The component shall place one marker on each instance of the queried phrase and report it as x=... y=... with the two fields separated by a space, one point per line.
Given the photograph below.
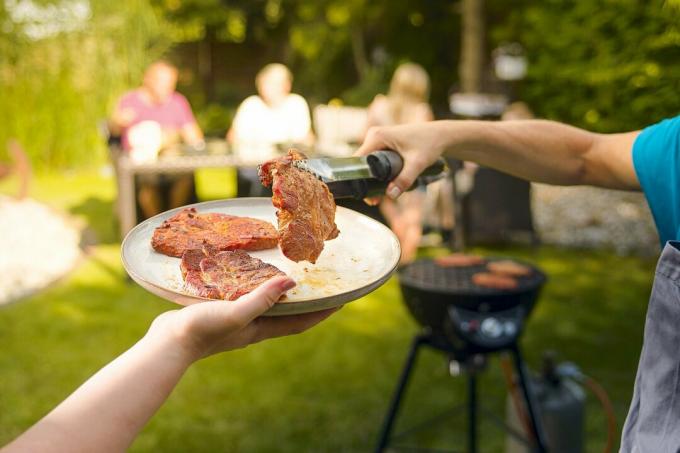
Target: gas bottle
x=561 y=408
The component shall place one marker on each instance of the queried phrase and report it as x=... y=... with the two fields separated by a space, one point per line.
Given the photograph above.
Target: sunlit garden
x=64 y=65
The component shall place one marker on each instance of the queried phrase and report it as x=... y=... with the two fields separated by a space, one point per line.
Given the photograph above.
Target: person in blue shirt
x=555 y=153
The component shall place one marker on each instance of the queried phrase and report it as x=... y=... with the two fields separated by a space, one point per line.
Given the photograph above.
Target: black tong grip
x=386 y=165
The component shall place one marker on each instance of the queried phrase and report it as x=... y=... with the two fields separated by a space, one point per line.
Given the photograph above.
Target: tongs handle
x=386 y=165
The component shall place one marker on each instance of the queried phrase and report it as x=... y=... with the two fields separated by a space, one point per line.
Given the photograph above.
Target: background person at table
x=20 y=166
x=405 y=103
x=107 y=412
x=149 y=118
x=267 y=123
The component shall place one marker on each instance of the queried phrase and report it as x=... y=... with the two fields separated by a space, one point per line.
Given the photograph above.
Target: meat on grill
x=223 y=275
x=189 y=230
x=305 y=207
x=495 y=281
x=509 y=268
x=459 y=260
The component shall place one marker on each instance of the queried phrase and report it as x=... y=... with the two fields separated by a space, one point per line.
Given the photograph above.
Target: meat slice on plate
x=189 y=230
x=305 y=207
x=223 y=275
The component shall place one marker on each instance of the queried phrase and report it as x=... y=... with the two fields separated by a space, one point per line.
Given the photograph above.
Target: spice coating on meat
x=188 y=230
x=223 y=275
x=305 y=208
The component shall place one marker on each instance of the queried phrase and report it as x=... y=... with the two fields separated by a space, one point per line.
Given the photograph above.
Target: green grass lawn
x=325 y=390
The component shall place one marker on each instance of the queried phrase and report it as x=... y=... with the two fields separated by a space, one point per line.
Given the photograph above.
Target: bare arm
x=536 y=150
x=191 y=134
x=122 y=118
x=106 y=412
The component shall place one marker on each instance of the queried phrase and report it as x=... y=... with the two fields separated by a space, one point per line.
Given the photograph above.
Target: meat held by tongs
x=305 y=207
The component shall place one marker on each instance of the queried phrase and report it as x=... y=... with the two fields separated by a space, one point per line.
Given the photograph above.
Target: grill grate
x=429 y=276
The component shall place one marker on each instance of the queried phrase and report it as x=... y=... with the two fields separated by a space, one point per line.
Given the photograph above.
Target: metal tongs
x=366 y=176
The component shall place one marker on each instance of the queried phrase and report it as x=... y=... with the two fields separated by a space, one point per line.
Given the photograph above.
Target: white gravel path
x=37 y=246
x=588 y=217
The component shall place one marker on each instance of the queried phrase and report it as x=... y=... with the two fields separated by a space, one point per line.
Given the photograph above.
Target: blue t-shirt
x=656 y=157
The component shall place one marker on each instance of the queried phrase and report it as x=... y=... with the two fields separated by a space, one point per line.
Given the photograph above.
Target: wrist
x=445 y=135
x=166 y=338
x=456 y=136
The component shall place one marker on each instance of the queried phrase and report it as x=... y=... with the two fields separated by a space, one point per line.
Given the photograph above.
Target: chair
x=339 y=129
x=498 y=210
x=115 y=150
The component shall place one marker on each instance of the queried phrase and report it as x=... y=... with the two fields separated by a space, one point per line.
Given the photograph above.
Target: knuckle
x=272 y=298
x=418 y=160
x=375 y=133
x=272 y=294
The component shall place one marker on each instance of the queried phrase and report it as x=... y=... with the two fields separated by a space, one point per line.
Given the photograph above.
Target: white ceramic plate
x=352 y=265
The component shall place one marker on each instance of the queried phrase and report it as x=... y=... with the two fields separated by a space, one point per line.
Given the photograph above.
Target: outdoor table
x=126 y=169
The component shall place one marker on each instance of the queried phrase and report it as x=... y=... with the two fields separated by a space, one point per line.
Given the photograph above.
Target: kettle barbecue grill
x=467 y=322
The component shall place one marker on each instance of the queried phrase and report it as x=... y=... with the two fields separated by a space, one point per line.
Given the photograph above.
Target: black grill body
x=470 y=318
x=466 y=322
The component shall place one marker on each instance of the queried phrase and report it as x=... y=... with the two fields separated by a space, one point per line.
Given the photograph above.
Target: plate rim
x=278 y=309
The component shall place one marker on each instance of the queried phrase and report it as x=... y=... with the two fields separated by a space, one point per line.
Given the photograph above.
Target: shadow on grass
x=102 y=223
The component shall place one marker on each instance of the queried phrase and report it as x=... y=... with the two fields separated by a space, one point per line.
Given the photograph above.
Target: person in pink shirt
x=157 y=104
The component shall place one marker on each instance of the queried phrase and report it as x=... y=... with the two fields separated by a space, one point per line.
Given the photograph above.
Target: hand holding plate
x=207 y=328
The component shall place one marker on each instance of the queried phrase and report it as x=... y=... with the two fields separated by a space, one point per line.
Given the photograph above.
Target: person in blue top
x=555 y=153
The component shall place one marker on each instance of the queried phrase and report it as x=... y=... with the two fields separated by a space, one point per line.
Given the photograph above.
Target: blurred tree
x=335 y=48
x=473 y=52
x=61 y=66
x=608 y=65
x=375 y=36
x=604 y=64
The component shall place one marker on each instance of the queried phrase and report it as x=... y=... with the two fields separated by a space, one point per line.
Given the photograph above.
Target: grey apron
x=653 y=422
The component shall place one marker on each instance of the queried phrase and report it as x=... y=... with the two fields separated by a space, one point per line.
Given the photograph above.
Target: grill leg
x=393 y=411
x=539 y=443
x=472 y=412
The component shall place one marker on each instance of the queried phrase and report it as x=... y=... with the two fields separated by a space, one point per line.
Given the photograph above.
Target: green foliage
x=57 y=86
x=608 y=65
x=374 y=81
x=335 y=48
x=215 y=117
x=350 y=48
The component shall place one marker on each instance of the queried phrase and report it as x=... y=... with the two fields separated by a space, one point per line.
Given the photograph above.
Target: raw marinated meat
x=223 y=275
x=305 y=208
x=188 y=230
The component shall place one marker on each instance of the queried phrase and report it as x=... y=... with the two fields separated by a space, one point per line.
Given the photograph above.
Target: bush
x=605 y=65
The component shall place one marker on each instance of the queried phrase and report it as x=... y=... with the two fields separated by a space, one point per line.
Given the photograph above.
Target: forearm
x=106 y=412
x=115 y=128
x=192 y=134
x=542 y=151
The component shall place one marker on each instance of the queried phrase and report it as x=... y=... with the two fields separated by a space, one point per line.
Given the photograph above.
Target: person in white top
x=405 y=103
x=269 y=122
